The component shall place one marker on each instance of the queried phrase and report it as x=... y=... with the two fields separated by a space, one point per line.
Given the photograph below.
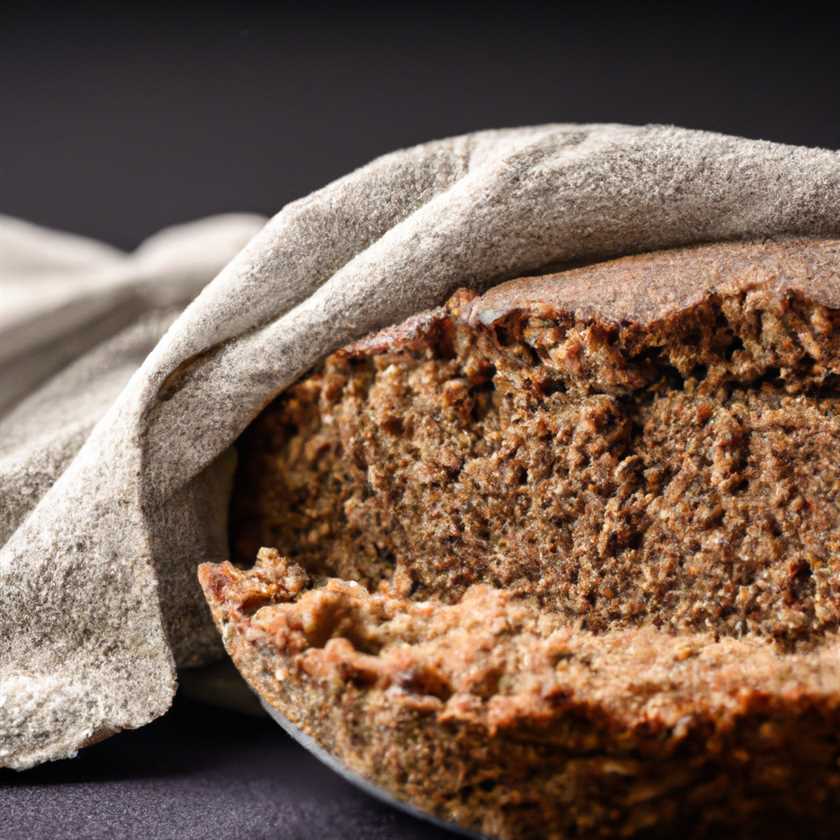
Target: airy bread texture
x=563 y=558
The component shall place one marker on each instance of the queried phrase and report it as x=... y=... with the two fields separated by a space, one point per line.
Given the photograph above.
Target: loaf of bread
x=563 y=559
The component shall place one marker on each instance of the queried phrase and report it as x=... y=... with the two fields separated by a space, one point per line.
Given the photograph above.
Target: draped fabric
x=118 y=410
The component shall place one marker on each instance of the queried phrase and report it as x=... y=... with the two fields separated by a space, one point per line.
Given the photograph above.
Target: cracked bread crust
x=563 y=558
x=499 y=716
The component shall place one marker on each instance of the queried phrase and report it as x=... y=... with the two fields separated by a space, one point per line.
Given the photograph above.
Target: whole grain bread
x=563 y=559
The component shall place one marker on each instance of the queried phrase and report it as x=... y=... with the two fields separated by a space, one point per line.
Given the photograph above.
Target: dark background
x=116 y=123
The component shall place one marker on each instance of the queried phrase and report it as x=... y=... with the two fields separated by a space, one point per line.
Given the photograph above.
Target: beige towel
x=104 y=524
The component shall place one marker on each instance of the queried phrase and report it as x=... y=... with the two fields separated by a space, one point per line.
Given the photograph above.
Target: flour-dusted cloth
x=98 y=600
x=61 y=294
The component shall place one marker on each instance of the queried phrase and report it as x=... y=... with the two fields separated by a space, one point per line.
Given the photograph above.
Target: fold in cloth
x=115 y=473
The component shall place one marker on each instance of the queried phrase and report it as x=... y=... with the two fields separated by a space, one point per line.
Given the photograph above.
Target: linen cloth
x=115 y=475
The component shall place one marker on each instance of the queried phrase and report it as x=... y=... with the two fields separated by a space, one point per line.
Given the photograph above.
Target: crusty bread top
x=642 y=289
x=648 y=287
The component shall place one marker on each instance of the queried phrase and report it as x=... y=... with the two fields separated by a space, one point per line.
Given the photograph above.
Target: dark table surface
x=196 y=773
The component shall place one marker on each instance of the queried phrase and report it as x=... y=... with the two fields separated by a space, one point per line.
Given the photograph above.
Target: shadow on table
x=198 y=772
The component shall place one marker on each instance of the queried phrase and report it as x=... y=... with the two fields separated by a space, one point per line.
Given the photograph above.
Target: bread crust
x=508 y=723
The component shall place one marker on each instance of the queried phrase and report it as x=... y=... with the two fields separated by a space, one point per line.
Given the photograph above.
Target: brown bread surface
x=563 y=558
